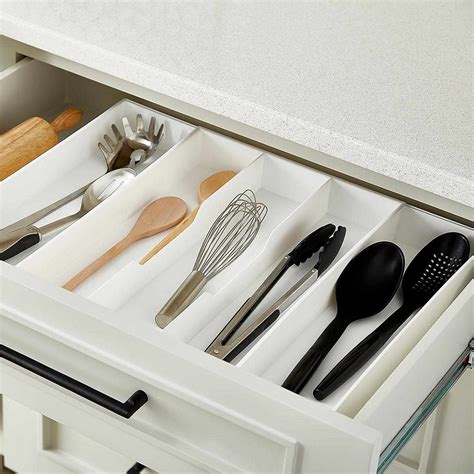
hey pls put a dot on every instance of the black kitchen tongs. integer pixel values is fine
(326, 238)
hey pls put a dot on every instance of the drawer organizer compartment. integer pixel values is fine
(73, 164)
(176, 174)
(285, 214)
(123, 296)
(296, 330)
(32, 88)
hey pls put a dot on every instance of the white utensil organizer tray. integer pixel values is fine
(108, 322)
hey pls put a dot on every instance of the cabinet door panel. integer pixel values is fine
(36, 443)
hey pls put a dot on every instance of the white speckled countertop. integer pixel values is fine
(384, 85)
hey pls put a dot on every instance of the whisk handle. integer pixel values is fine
(181, 299)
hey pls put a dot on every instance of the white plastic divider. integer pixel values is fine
(370, 378)
(141, 290)
(337, 202)
(279, 350)
(432, 356)
(177, 173)
(76, 161)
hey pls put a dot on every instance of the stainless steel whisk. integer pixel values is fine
(229, 236)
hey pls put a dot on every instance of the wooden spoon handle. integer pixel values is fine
(99, 262)
(67, 119)
(184, 224)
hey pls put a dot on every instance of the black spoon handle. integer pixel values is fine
(308, 364)
(362, 353)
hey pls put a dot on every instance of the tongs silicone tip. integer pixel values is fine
(311, 244)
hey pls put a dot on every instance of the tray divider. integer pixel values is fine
(265, 348)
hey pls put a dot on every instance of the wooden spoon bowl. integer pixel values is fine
(206, 189)
(158, 216)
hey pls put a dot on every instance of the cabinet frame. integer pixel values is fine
(332, 165)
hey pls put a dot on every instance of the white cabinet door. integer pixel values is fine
(36, 443)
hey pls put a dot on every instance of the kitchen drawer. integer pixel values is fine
(32, 88)
(204, 414)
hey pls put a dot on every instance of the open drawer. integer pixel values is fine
(203, 414)
(32, 88)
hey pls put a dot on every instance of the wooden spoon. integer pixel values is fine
(31, 138)
(158, 216)
(206, 189)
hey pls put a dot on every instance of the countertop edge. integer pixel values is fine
(398, 167)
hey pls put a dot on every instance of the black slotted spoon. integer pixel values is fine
(426, 274)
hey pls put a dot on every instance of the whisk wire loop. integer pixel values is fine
(230, 234)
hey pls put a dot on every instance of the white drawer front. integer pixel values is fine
(212, 416)
(191, 434)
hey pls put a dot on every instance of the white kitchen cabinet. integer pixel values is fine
(444, 444)
(36, 443)
(201, 414)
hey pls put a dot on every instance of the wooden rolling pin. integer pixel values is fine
(31, 138)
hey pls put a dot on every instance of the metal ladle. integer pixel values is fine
(16, 241)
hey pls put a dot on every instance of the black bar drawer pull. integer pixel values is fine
(125, 409)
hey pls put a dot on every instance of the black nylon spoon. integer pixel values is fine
(363, 289)
(425, 275)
